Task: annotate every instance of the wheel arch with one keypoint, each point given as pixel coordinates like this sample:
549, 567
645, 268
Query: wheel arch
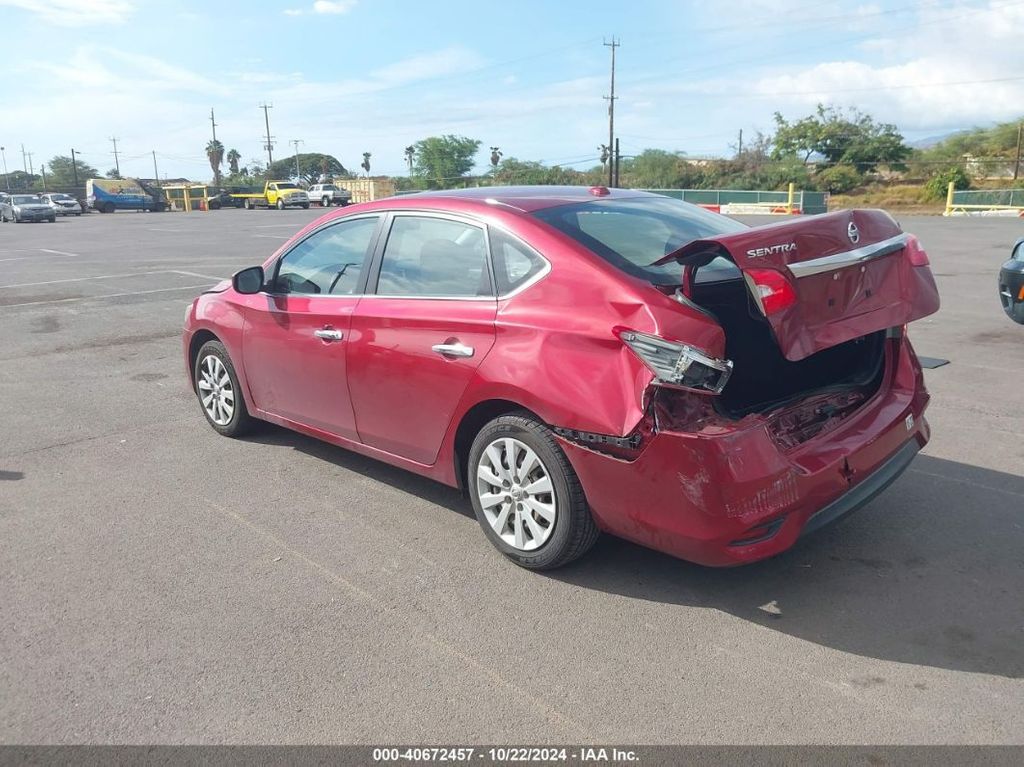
199, 338
472, 421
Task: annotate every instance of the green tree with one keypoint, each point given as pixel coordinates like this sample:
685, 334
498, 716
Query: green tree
114, 173
62, 175
659, 169
850, 137
215, 154
311, 167
233, 157
530, 172
839, 179
443, 160
937, 186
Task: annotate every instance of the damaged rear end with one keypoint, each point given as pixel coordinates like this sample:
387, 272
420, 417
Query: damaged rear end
812, 407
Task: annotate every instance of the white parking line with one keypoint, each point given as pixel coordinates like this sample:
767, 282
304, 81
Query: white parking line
196, 274
59, 252
111, 295
99, 277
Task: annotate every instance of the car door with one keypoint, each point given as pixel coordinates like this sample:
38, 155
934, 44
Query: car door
419, 335
296, 332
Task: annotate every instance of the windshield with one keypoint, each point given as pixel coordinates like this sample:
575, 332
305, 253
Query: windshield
286, 185
60, 197
25, 199
329, 188
633, 233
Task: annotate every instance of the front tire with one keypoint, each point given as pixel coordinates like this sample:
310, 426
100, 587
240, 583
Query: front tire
280, 204
325, 202
526, 495
220, 395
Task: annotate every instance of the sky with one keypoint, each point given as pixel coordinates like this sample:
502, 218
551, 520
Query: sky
352, 76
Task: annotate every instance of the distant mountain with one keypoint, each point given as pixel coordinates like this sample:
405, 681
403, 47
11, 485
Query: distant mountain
930, 141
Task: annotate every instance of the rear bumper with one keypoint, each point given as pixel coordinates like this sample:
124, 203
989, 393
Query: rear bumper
729, 495
1011, 290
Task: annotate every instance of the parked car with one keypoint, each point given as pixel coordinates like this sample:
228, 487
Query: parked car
63, 204
1011, 284
223, 199
329, 194
583, 360
26, 207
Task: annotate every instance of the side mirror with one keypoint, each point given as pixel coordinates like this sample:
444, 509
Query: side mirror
248, 281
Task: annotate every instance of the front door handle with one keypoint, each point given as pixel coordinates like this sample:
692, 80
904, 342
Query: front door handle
453, 350
329, 334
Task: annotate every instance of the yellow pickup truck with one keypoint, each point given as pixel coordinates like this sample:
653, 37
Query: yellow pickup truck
275, 194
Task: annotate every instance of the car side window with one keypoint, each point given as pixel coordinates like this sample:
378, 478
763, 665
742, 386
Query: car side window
328, 262
514, 262
434, 257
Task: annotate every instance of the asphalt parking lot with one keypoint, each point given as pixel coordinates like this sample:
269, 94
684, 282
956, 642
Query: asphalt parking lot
162, 584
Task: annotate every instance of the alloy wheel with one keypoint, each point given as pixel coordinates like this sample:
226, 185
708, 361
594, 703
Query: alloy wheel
516, 494
216, 391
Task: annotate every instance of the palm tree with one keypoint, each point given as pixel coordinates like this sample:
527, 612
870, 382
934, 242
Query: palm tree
233, 158
215, 153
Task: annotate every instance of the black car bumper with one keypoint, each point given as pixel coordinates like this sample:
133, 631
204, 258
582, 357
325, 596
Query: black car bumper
1011, 290
865, 491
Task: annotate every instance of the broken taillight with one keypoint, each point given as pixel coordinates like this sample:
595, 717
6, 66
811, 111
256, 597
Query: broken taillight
770, 288
915, 254
676, 364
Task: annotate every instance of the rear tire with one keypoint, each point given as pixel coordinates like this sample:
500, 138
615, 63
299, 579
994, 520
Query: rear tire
325, 202
536, 513
219, 392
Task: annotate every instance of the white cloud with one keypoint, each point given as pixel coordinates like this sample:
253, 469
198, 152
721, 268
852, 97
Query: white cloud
76, 13
952, 81
333, 6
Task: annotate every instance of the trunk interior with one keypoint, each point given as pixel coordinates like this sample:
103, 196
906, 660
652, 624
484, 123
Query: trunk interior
762, 378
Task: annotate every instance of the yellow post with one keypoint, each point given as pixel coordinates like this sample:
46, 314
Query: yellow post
949, 200
789, 203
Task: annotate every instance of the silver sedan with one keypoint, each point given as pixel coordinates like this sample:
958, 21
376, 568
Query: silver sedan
63, 204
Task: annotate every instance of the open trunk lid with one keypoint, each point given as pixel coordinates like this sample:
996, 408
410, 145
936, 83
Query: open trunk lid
826, 279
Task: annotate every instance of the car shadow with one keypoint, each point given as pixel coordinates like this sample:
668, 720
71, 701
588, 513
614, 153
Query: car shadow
11, 475
930, 573
400, 479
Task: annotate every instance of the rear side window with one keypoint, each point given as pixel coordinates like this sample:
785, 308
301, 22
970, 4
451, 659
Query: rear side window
514, 263
328, 262
434, 257
633, 233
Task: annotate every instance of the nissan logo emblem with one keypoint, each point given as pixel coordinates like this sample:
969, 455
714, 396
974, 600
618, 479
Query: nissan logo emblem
853, 233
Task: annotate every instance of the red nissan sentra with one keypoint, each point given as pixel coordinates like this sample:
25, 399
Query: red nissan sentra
583, 360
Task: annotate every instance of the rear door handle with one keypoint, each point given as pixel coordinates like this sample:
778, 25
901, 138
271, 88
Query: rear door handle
453, 350
329, 334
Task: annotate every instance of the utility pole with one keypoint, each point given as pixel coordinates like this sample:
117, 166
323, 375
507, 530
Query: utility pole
117, 164
611, 112
7, 177
615, 162
31, 170
269, 145
74, 167
156, 173
1016, 165
42, 169
295, 143
739, 144
24, 160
